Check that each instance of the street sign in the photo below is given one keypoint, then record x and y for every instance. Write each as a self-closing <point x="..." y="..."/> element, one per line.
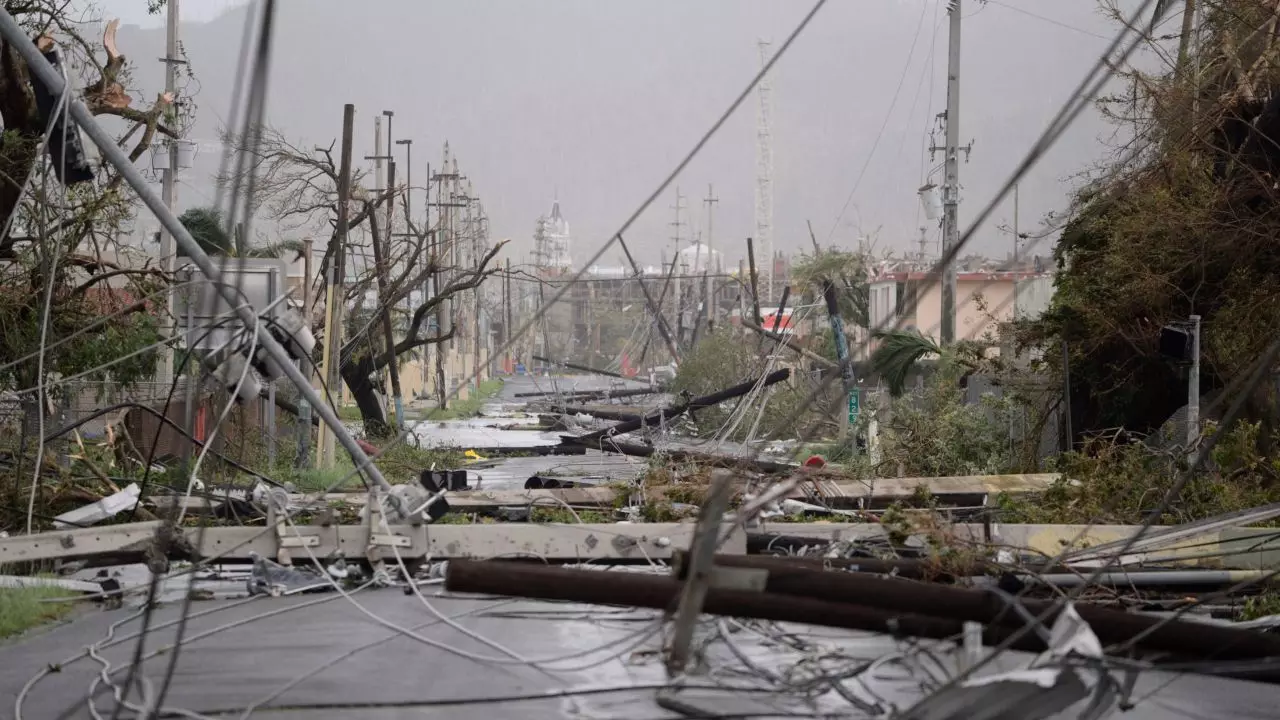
<point x="855" y="405"/>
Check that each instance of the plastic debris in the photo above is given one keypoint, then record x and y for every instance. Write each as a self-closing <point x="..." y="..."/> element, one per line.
<point x="101" y="510"/>
<point x="272" y="578"/>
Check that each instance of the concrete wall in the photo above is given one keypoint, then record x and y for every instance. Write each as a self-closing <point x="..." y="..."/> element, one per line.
<point x="972" y="321"/>
<point x="1034" y="296"/>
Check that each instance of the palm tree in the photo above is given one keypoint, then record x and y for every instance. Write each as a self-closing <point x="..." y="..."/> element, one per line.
<point x="900" y="350"/>
<point x="206" y="225"/>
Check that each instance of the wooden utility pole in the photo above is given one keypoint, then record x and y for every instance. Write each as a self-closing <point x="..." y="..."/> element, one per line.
<point x="381" y="273"/>
<point x="304" y="408"/>
<point x="755" y="278"/>
<point x="336" y="295"/>
<point x="507" y="314"/>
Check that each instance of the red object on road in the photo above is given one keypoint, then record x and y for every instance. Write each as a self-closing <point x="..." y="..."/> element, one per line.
<point x="815" y="461"/>
<point x="366" y="447"/>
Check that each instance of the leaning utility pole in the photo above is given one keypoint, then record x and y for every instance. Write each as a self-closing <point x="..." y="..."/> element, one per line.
<point x="336" y="295"/>
<point x="169" y="190"/>
<point x="708" y="310"/>
<point x="951" y="181"/>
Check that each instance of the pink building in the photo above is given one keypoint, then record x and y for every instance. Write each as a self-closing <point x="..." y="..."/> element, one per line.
<point x="984" y="300"/>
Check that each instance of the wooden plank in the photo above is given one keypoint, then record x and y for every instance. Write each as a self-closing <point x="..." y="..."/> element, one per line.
<point x="890" y="489"/>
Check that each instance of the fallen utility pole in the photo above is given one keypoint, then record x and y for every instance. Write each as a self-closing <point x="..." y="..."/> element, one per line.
<point x="790" y="344"/>
<point x="904" y="607"/>
<point x="589" y="394"/>
<point x="700" y="563"/>
<point x="583" y="368"/>
<point x="635" y="449"/>
<point x="655" y="308"/>
<point x="931" y="569"/>
<point x="516" y="579"/>
<point x="962" y="604"/>
<point x="592" y="439"/>
<point x="601" y="413"/>
<point x="44" y="73"/>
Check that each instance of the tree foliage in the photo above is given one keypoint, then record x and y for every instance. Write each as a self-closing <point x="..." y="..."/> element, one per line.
<point x="1182" y="223"/>
<point x="58" y="242"/>
<point x="846" y="269"/>
<point x="718" y="361"/>
<point x="298" y="189"/>
<point x="207" y="226"/>
<point x="936" y="433"/>
<point x="899" y="351"/>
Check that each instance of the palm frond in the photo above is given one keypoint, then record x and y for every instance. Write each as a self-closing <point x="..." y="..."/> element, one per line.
<point x="898" y="352"/>
<point x="278" y="249"/>
<point x="206" y="227"/>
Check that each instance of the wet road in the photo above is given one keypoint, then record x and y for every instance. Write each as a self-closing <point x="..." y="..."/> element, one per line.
<point x="488" y="430"/>
<point x="325" y="657"/>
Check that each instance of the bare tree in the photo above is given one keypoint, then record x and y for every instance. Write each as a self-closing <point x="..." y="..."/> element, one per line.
<point x="298" y="190"/>
<point x="58" y="224"/>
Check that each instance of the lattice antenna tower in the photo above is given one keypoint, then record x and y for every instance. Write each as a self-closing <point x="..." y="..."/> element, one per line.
<point x="540" y="253"/>
<point x="764" y="168"/>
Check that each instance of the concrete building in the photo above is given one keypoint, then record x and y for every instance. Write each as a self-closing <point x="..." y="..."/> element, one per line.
<point x="984" y="300"/>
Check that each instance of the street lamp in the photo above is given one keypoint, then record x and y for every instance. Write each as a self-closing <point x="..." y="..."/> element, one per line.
<point x="408" y="175"/>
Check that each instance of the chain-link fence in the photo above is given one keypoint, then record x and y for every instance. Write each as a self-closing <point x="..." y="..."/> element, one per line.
<point x="151" y="419"/>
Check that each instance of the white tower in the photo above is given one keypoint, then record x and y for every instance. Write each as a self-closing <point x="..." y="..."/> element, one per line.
<point x="764" y="170"/>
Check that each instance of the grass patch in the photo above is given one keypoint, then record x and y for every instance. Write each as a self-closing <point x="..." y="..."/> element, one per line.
<point x="22" y="609"/>
<point x="349" y="413"/>
<point x="470" y="407"/>
<point x="562" y="516"/>
<point x="399" y="465"/>
<point x="1261" y="606"/>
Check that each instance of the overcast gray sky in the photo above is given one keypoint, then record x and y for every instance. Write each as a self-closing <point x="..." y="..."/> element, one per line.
<point x="594" y="101"/>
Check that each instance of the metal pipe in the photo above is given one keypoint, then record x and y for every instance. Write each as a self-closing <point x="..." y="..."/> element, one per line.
<point x="112" y="153"/>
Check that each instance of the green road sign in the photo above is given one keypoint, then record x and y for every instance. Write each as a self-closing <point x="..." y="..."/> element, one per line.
<point x="855" y="405"/>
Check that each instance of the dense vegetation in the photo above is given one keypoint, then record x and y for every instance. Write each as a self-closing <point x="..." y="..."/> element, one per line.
<point x="1183" y="222"/>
